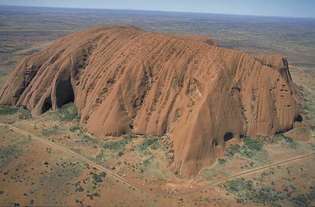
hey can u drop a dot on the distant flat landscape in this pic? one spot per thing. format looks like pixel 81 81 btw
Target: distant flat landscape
pixel 24 30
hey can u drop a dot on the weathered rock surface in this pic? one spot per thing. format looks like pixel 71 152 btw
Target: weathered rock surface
pixel 123 79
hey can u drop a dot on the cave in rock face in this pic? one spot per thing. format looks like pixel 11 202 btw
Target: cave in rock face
pixel 123 79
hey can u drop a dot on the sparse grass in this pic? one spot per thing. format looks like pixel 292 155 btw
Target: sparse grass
pixel 21 112
pixel 7 153
pixel 147 162
pixel 102 156
pixel 281 138
pixel 98 178
pixel 222 161
pixel 249 149
pixel 58 178
pixel 50 131
pixel 116 146
pixel 8 110
pixel 304 200
pixel 149 143
pixel 253 144
pixel 87 138
pixel 112 148
pixel 75 129
pixel 68 112
pixel 246 191
pixel 16 147
pixel 232 150
pixel 24 114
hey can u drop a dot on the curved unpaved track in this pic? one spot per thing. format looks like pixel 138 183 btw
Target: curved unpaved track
pixel 124 181
pixel 265 167
pixel 70 152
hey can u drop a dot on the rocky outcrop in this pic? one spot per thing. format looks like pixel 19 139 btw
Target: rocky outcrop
pixel 123 79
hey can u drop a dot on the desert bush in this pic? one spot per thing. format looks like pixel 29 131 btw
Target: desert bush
pixel 300 201
pixel 253 144
pixel 8 110
pixel 304 200
pixel 98 178
pixel 149 142
pixel 245 191
pixel 222 161
pixel 281 138
pixel 250 148
pixel 118 145
pixel 147 161
pixel 50 131
pixel 24 113
pixel 75 129
pixel 68 112
pixel 232 150
pixel 6 153
pixel 102 156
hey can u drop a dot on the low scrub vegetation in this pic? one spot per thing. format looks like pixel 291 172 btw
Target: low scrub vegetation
pixel 117 146
pixel 7 153
pixel 8 110
pixel 281 138
pixel 112 148
pixel 75 129
pixel 245 191
pixel 24 114
pixel 249 149
pixel 50 131
pixel 149 143
pixel 68 113
pixel 20 111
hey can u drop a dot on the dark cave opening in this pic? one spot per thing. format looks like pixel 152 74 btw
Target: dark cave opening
pixel 228 136
pixel 47 104
pixel 64 93
pixel 298 118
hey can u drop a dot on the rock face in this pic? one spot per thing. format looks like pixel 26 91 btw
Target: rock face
pixel 123 79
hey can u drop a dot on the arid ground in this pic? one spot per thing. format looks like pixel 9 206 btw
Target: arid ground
pixel 49 160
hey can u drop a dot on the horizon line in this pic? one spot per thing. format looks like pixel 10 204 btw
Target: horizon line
pixel 152 10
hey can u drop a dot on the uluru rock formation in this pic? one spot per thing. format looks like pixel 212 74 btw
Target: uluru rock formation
pixel 126 80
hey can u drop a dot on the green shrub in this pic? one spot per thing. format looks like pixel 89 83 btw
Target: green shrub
pixel 116 146
pixel 222 161
pixel 304 200
pixel 253 144
pixel 246 191
pixel 75 128
pixel 250 148
pixel 24 114
pixel 98 178
pixel 285 140
pixel 152 142
pixel 102 156
pixel 300 201
pixel 7 153
pixel 68 112
pixel 50 131
pixel 147 161
pixel 8 110
pixel 238 185
pixel 232 150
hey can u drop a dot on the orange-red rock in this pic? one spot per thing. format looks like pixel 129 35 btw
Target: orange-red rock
pixel 123 79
